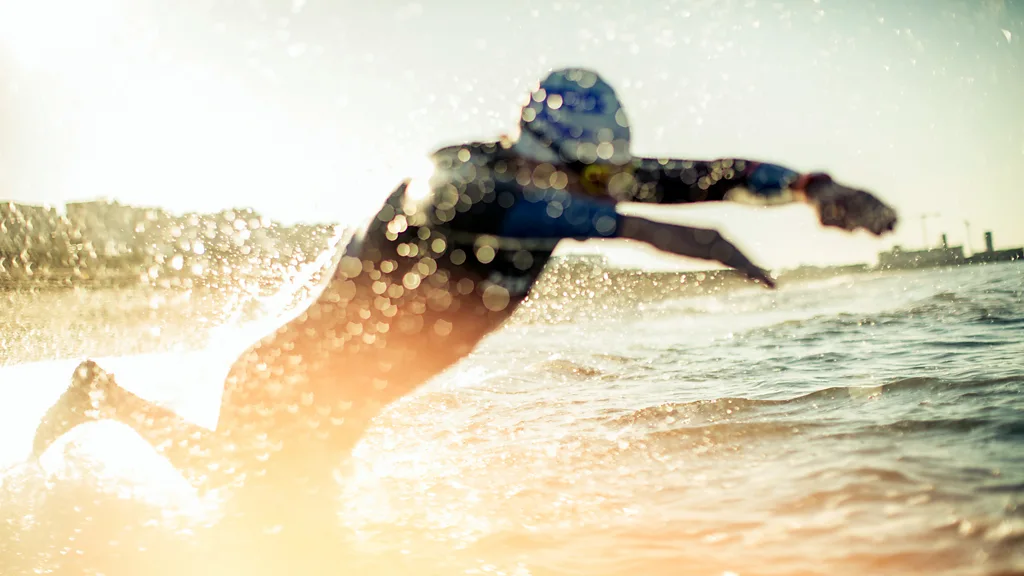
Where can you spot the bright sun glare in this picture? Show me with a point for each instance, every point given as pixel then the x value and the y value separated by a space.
pixel 36 39
pixel 180 135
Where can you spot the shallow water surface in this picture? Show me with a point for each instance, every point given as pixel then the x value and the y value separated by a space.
pixel 860 424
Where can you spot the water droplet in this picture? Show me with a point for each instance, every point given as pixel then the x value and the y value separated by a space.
pixel 496 298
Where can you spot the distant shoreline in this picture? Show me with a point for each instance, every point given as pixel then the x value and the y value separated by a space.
pixel 575 265
pixel 106 245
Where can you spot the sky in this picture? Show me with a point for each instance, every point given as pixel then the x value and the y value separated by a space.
pixel 313 110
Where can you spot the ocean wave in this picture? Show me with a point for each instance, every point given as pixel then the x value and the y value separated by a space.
pixel 945 297
pixel 723 408
pixel 1001 320
pixel 703 410
pixel 915 383
pixel 725 431
pixel 850 487
pixel 998 532
pixel 1003 488
pixel 915 425
pixel 730 433
pixel 865 473
pixel 732 420
pixel 1013 428
pixel 937 309
pixel 564 367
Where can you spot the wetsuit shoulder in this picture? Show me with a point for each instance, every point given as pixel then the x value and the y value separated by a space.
pixel 450 156
pixel 461 193
pixel 494 213
pixel 456 220
pixel 485 188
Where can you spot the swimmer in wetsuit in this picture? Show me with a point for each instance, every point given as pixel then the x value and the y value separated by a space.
pixel 442 264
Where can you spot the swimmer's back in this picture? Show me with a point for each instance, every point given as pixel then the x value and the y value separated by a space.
pixel 486 215
pixel 449 230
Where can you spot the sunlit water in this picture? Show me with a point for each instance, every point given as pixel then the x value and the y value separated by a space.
pixel 861 424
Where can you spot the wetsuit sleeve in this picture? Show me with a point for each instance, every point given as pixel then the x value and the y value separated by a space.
pixel 679 181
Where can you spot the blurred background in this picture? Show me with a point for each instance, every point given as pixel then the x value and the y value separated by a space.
pixel 312 111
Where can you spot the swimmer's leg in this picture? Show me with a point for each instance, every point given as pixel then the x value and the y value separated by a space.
pixel 94 395
pixel 262 437
pixel 272 501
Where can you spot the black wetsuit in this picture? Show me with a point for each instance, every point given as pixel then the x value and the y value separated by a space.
pixel 484 220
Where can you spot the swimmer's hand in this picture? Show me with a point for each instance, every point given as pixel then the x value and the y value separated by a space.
pixel 693 242
pixel 839 206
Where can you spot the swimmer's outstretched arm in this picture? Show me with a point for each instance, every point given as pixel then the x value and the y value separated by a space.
pixel 680 181
pixel 692 242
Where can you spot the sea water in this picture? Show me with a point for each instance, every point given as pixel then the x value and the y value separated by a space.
pixel 862 424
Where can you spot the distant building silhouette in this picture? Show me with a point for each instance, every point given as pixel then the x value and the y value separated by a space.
pixel 944 255
pixel 105 241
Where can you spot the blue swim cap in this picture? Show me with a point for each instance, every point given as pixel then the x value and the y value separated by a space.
pixel 575 115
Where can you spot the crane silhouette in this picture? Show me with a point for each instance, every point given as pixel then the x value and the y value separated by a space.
pixel 924 225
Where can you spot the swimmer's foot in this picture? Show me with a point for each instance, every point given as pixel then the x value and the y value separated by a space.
pixel 84 401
